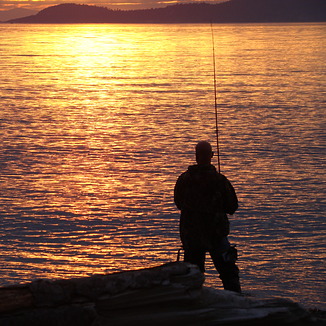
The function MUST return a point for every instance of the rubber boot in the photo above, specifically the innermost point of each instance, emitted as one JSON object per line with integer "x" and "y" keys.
{"x": 232, "y": 284}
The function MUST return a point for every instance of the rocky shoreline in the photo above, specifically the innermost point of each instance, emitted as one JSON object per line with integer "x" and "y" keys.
{"x": 169, "y": 294}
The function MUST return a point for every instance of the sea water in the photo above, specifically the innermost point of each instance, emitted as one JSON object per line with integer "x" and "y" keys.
{"x": 98, "y": 121}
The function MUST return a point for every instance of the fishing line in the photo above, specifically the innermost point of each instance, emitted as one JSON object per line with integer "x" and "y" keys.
{"x": 215, "y": 98}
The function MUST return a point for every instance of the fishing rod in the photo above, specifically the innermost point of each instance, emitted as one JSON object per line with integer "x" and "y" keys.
{"x": 215, "y": 98}
{"x": 216, "y": 122}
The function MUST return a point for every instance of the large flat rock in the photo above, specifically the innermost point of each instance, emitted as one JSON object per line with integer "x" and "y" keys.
{"x": 171, "y": 294}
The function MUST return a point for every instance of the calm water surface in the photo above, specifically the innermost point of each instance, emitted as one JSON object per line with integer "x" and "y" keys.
{"x": 98, "y": 121}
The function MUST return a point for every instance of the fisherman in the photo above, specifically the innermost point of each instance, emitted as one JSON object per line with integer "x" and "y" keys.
{"x": 205, "y": 197}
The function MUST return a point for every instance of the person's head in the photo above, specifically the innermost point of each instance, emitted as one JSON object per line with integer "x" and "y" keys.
{"x": 204, "y": 153}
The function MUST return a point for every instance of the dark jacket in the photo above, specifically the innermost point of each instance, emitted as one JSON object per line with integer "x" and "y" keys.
{"x": 205, "y": 197}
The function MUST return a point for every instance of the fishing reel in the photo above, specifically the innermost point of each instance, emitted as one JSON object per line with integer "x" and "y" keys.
{"x": 231, "y": 255}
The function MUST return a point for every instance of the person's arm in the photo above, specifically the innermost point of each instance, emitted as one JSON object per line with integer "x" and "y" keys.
{"x": 178, "y": 192}
{"x": 231, "y": 202}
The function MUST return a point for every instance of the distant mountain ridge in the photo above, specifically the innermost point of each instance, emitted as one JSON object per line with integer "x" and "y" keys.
{"x": 233, "y": 11}
{"x": 15, "y": 13}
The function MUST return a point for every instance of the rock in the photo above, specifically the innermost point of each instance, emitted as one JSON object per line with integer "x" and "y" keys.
{"x": 169, "y": 294}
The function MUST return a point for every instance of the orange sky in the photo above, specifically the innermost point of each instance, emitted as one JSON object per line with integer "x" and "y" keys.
{"x": 113, "y": 4}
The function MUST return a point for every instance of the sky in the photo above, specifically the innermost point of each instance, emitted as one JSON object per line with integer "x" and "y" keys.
{"x": 113, "y": 4}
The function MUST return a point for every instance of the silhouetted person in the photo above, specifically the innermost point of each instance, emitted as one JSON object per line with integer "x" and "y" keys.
{"x": 205, "y": 197}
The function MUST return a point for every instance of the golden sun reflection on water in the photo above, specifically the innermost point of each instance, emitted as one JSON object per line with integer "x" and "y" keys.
{"x": 98, "y": 121}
